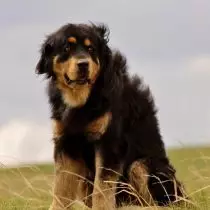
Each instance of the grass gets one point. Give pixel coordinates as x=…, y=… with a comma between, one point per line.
x=29, y=187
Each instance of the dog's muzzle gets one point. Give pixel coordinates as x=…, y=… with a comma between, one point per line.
x=77, y=81
x=82, y=73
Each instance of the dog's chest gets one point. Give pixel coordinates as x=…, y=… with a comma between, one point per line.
x=78, y=121
x=75, y=120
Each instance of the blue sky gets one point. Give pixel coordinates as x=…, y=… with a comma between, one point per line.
x=166, y=42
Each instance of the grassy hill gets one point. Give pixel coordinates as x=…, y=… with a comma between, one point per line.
x=29, y=188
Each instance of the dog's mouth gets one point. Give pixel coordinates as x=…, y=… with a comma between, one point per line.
x=81, y=81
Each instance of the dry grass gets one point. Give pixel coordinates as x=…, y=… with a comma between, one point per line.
x=29, y=188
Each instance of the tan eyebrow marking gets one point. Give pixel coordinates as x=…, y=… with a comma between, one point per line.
x=72, y=39
x=87, y=42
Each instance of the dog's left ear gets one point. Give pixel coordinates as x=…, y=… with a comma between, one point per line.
x=44, y=65
x=103, y=31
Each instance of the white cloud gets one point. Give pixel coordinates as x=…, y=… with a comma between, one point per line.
x=24, y=142
x=199, y=64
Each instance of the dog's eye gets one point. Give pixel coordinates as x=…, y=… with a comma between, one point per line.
x=66, y=48
x=90, y=49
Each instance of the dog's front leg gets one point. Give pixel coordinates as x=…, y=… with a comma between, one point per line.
x=104, y=185
x=68, y=183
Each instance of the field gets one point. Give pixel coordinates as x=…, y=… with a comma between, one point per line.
x=29, y=187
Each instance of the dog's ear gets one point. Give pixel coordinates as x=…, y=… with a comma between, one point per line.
x=114, y=75
x=103, y=31
x=44, y=65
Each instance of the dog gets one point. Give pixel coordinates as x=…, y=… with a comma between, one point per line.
x=108, y=149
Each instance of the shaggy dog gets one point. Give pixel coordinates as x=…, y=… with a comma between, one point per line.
x=108, y=149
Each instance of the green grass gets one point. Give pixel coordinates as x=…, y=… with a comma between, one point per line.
x=29, y=188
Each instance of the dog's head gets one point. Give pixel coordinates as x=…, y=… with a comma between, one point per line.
x=74, y=56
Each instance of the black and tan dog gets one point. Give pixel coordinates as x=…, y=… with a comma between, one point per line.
x=105, y=126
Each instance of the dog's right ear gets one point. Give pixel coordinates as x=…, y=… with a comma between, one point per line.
x=44, y=65
x=102, y=30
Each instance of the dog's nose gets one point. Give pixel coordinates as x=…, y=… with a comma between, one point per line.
x=83, y=67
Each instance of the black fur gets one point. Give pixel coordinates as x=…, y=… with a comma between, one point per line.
x=134, y=132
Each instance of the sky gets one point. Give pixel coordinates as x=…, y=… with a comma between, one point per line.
x=165, y=42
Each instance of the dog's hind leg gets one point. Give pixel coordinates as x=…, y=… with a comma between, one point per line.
x=163, y=184
x=154, y=182
x=138, y=180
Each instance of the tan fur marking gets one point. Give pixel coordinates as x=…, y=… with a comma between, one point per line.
x=74, y=95
x=138, y=176
x=87, y=42
x=68, y=184
x=57, y=128
x=94, y=70
x=99, y=126
x=104, y=189
x=72, y=40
